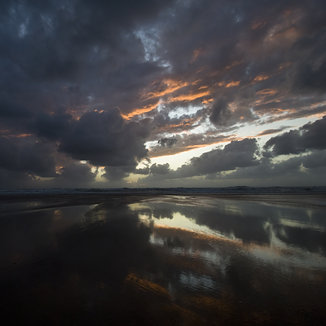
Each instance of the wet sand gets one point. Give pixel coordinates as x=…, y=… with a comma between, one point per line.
x=199, y=259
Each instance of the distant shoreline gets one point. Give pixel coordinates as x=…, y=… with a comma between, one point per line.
x=164, y=191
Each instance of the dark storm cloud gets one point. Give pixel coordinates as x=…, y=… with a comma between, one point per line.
x=311, y=136
x=106, y=139
x=160, y=168
x=93, y=43
x=307, y=78
x=48, y=48
x=234, y=61
x=76, y=174
x=57, y=39
x=27, y=156
x=287, y=143
x=234, y=155
x=220, y=113
x=117, y=173
x=143, y=171
x=308, y=74
x=102, y=138
x=266, y=170
x=315, y=160
x=10, y=110
x=296, y=171
x=71, y=55
x=13, y=179
x=52, y=127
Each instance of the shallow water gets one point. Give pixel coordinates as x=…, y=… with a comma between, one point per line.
x=166, y=260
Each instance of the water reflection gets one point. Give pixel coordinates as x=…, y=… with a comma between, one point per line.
x=169, y=260
x=248, y=222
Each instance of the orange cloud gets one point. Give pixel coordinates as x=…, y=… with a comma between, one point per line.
x=230, y=84
x=187, y=148
x=22, y=135
x=233, y=83
x=260, y=78
x=207, y=101
x=6, y=133
x=267, y=91
x=58, y=169
x=189, y=97
x=144, y=109
x=202, y=87
x=171, y=87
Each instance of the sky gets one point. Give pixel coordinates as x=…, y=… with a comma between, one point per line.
x=162, y=93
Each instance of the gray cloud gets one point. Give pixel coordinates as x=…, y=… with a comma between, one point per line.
x=220, y=113
x=143, y=171
x=13, y=179
x=52, y=127
x=23, y=155
x=160, y=168
x=234, y=155
x=308, y=74
x=223, y=115
x=167, y=142
x=236, y=62
x=76, y=174
x=315, y=160
x=271, y=131
x=10, y=110
x=185, y=142
x=106, y=139
x=165, y=124
x=311, y=136
x=117, y=173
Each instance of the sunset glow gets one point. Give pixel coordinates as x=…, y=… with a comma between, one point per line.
x=133, y=90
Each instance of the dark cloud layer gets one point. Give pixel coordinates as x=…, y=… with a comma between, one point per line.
x=160, y=168
x=311, y=136
x=79, y=174
x=21, y=156
x=234, y=155
x=106, y=139
x=95, y=80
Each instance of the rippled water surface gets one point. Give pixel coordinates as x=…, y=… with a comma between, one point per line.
x=166, y=260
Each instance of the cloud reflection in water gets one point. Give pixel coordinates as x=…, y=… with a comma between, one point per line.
x=172, y=259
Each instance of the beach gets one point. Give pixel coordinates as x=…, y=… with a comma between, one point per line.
x=162, y=257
